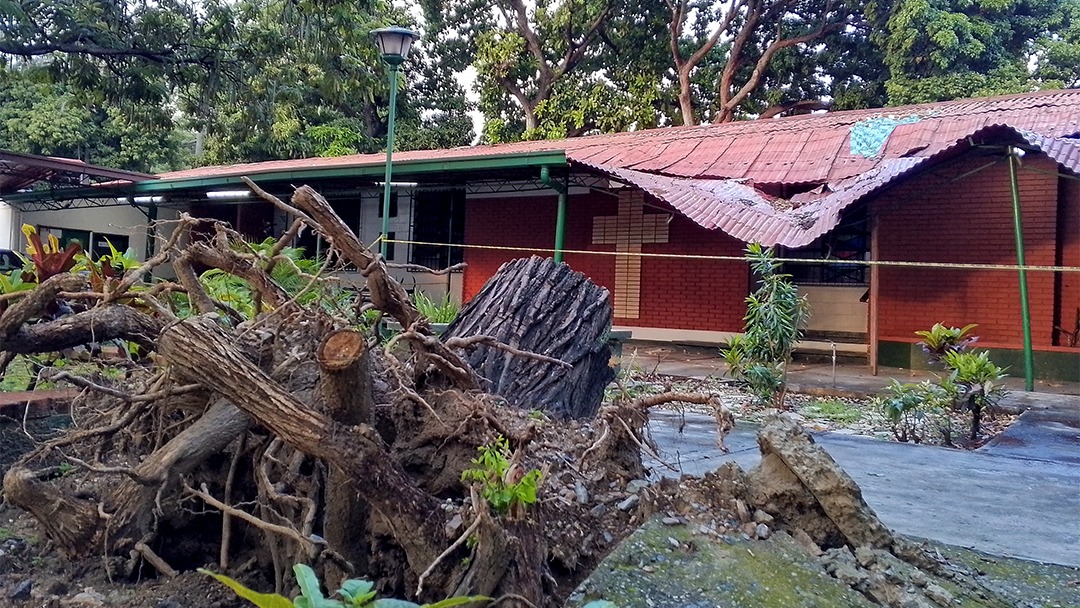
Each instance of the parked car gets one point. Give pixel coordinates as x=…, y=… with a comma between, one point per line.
x=9, y=261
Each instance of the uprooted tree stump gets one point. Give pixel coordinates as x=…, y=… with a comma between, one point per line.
x=539, y=306
x=297, y=434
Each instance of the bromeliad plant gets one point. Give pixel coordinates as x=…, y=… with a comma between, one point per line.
x=775, y=316
x=354, y=593
x=503, y=483
x=47, y=258
x=976, y=378
x=109, y=269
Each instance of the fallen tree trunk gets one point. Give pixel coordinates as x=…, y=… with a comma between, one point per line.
x=533, y=304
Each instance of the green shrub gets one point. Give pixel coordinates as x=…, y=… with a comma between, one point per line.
x=502, y=483
x=775, y=315
x=976, y=377
x=915, y=410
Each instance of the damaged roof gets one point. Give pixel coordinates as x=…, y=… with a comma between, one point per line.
x=730, y=176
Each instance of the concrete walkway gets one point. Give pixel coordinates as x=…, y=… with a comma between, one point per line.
x=992, y=502
x=1018, y=496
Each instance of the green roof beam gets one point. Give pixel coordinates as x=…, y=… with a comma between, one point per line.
x=403, y=168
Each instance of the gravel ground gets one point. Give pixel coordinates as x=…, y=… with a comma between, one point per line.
x=833, y=414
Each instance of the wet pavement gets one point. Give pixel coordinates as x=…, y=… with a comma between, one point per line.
x=1017, y=496
x=988, y=501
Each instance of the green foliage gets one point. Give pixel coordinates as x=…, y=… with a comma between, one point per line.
x=43, y=112
x=977, y=377
x=443, y=311
x=940, y=340
x=13, y=281
x=355, y=593
x=937, y=50
x=775, y=316
x=832, y=410
x=503, y=484
x=293, y=272
x=915, y=410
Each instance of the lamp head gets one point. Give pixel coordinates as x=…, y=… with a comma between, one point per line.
x=394, y=43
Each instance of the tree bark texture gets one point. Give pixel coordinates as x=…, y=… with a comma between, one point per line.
x=344, y=392
x=533, y=304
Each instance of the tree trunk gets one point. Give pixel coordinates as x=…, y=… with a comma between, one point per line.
x=686, y=102
x=344, y=392
x=539, y=306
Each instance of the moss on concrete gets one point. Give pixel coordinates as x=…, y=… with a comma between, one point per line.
x=649, y=570
x=1030, y=583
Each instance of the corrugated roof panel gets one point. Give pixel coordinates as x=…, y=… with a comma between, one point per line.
x=704, y=156
x=781, y=157
x=673, y=153
x=817, y=157
x=736, y=161
x=742, y=211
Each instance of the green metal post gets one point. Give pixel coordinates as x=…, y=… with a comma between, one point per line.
x=1025, y=313
x=560, y=217
x=389, y=160
x=560, y=227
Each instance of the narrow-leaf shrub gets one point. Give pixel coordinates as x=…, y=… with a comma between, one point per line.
x=775, y=316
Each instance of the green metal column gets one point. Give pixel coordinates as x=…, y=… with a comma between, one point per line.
x=389, y=161
x=1025, y=312
x=560, y=217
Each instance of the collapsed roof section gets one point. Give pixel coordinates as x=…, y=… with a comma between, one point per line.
x=747, y=213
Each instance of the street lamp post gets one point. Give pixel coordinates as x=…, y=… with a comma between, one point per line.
x=394, y=43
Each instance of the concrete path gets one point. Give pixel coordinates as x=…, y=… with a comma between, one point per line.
x=992, y=501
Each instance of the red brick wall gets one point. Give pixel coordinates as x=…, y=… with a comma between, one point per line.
x=1069, y=237
x=675, y=293
x=934, y=219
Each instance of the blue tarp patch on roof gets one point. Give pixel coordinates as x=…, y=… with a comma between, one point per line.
x=868, y=136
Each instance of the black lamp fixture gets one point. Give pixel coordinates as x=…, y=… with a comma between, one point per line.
x=394, y=43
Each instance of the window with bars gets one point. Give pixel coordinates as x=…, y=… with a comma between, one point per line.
x=848, y=241
x=438, y=217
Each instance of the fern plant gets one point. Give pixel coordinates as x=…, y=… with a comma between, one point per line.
x=354, y=593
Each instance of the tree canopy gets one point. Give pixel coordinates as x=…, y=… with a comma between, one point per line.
x=160, y=84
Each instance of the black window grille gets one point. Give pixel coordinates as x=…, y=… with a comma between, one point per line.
x=438, y=218
x=848, y=241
